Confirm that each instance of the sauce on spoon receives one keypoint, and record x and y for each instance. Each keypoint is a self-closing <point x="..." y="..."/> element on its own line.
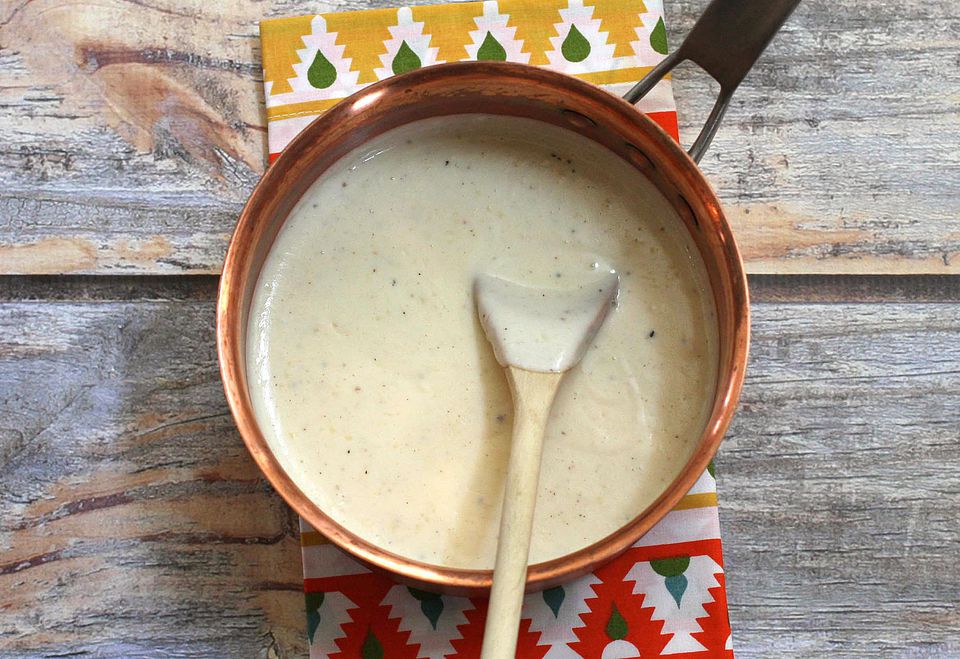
<point x="537" y="335"/>
<point x="539" y="329"/>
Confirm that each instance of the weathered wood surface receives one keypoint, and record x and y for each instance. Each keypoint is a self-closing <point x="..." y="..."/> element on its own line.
<point x="132" y="522"/>
<point x="131" y="133"/>
<point x="838" y="485"/>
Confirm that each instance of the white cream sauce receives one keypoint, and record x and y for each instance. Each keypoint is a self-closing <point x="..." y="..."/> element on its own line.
<point x="370" y="374"/>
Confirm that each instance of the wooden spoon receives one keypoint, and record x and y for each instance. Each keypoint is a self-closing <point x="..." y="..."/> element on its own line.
<point x="537" y="335"/>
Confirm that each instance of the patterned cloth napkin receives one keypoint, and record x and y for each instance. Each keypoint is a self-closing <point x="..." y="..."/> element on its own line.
<point x="665" y="595"/>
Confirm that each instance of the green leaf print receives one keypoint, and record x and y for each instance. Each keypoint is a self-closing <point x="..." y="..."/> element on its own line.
<point x="405" y="60"/>
<point x="313" y="621"/>
<point x="431" y="604"/>
<point x="575" y="47"/>
<point x="321" y="73"/>
<point x="658" y="38"/>
<point x="432" y="608"/>
<point x="313" y="602"/>
<point x="491" y="50"/>
<point x="711" y="469"/>
<point x="554" y="598"/>
<point x="671" y="567"/>
<point x="616" y="625"/>
<point x="677" y="586"/>
<point x="371" y="648"/>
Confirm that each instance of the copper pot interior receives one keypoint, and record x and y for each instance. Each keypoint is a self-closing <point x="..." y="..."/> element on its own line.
<point x="520" y="91"/>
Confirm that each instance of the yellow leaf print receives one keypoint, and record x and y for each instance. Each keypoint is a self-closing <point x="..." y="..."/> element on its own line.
<point x="535" y="21"/>
<point x="281" y="39"/>
<point x="619" y="18"/>
<point x="363" y="33"/>
<point x="449" y="27"/>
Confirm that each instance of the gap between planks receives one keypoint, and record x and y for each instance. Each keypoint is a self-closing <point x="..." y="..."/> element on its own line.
<point x="763" y="288"/>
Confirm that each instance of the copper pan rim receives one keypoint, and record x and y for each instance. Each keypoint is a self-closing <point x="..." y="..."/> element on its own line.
<point x="583" y="104"/>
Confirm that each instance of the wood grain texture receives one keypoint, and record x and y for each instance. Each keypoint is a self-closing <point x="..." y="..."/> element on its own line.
<point x="131" y="133"/>
<point x="839" y="153"/>
<point x="838" y="484"/>
<point x="133" y="523"/>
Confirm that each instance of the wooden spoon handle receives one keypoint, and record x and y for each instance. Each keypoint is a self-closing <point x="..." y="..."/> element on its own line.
<point x="533" y="395"/>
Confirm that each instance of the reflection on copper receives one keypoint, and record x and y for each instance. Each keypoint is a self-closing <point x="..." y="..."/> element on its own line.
<point x="491" y="88"/>
<point x="367" y="99"/>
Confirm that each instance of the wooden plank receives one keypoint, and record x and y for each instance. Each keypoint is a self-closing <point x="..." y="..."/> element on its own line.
<point x="133" y="523"/>
<point x="131" y="133"/>
<point x="839" y="153"/>
<point x="838" y="491"/>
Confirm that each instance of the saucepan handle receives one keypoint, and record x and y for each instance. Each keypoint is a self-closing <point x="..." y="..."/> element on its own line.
<point x="725" y="42"/>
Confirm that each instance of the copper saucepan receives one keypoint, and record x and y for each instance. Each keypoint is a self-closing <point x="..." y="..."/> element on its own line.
<point x="725" y="42"/>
